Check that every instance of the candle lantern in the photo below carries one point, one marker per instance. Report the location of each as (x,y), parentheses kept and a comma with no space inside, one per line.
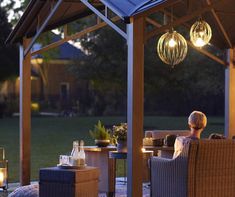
(3,170)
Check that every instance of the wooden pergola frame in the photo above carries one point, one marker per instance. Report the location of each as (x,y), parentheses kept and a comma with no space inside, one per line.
(136,37)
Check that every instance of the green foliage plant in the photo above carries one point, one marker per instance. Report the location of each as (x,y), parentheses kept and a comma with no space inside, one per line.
(100,132)
(120,132)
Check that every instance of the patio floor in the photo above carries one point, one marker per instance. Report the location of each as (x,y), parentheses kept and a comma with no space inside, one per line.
(121,188)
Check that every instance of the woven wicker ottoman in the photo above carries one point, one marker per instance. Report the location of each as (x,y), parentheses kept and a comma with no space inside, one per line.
(57,182)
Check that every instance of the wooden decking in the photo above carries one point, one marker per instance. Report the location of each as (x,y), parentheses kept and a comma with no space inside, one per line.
(121,189)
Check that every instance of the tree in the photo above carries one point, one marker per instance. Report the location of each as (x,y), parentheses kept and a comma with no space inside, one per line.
(190,85)
(14,8)
(167,91)
(8,54)
(105,69)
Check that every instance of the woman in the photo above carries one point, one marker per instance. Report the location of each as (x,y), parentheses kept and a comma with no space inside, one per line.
(197,122)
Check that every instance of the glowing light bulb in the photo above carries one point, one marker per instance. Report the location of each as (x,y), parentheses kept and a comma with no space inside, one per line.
(201,33)
(172,43)
(143,149)
(200,42)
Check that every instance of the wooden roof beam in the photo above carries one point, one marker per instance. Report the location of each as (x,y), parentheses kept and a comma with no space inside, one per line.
(224,13)
(73,36)
(65,30)
(168,13)
(104,18)
(200,50)
(42,27)
(157,8)
(39,19)
(208,54)
(180,21)
(220,25)
(189,6)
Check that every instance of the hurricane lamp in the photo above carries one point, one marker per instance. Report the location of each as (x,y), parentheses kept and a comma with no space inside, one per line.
(200,33)
(3,170)
(172,48)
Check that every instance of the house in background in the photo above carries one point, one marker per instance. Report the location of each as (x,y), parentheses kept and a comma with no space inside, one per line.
(52,82)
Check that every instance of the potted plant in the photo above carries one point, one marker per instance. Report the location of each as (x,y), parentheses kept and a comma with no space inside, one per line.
(101,135)
(120,133)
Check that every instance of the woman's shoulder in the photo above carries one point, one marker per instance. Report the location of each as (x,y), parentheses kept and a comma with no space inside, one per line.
(183,139)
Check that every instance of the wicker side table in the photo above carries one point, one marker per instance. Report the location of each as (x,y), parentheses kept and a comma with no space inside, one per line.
(57,182)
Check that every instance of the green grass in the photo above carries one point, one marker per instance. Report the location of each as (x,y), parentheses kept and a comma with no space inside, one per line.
(53,136)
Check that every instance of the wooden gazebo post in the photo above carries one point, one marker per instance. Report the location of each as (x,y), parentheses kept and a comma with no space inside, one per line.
(230,94)
(25,113)
(135,109)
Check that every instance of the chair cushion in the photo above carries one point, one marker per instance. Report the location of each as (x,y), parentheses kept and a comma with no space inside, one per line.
(158,134)
(26,191)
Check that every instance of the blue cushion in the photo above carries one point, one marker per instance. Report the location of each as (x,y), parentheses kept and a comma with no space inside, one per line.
(26,191)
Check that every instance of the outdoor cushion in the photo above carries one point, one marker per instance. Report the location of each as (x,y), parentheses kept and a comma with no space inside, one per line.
(151,135)
(26,191)
(158,134)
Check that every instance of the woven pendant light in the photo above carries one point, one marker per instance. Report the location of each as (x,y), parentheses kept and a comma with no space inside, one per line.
(172,48)
(200,33)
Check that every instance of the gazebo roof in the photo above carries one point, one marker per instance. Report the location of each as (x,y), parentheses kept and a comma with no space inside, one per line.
(218,13)
(128,8)
(37,11)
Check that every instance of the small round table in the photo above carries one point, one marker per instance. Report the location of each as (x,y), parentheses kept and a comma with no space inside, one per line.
(118,155)
(123,155)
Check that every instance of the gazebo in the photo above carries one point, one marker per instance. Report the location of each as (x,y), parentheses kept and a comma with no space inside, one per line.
(45,15)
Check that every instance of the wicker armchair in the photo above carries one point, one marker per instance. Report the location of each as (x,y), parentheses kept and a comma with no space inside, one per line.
(205,168)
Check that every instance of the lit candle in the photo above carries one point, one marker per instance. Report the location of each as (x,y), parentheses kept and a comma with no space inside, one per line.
(1,178)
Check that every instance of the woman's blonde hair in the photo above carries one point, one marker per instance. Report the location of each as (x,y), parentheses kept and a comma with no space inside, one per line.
(197,120)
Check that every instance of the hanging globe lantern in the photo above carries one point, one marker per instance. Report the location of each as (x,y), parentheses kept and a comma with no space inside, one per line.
(172,48)
(200,33)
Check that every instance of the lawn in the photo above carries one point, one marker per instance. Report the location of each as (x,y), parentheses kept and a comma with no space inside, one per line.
(53,136)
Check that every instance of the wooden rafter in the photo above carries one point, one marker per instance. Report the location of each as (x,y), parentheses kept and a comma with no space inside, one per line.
(220,25)
(39,19)
(208,54)
(179,21)
(104,18)
(189,6)
(157,8)
(98,20)
(224,13)
(73,37)
(42,27)
(153,22)
(168,13)
(65,31)
(202,51)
